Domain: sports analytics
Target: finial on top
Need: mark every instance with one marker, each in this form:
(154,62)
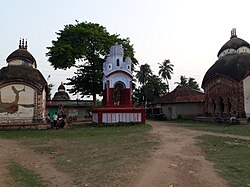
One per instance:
(233,33)
(23,45)
(20,43)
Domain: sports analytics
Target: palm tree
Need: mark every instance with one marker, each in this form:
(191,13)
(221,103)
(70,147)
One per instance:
(188,82)
(193,84)
(143,76)
(183,81)
(144,73)
(166,69)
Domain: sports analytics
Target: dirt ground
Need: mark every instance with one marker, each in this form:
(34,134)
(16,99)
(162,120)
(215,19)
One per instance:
(176,162)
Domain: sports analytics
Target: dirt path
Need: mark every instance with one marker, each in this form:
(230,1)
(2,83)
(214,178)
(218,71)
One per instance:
(13,151)
(178,161)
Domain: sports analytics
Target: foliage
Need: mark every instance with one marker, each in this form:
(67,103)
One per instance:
(166,69)
(88,44)
(23,176)
(188,82)
(153,88)
(231,157)
(156,88)
(143,74)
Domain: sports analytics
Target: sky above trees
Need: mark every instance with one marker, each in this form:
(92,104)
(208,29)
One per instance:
(188,33)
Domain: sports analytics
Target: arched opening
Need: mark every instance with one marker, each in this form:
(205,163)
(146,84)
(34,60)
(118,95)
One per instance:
(229,105)
(221,105)
(118,88)
(117,62)
(213,106)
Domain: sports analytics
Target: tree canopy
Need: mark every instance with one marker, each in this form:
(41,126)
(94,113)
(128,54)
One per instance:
(188,82)
(166,69)
(151,86)
(85,45)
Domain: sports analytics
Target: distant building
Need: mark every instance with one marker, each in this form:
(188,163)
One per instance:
(71,108)
(227,82)
(61,94)
(22,89)
(182,102)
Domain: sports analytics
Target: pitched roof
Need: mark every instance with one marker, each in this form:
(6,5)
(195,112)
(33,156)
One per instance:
(181,95)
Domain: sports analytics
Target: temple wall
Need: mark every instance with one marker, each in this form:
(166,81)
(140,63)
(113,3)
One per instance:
(17,102)
(223,96)
(246,86)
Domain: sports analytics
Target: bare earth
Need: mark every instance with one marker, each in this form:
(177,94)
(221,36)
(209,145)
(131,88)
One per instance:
(177,162)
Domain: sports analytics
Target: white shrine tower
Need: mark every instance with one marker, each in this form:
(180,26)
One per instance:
(117,91)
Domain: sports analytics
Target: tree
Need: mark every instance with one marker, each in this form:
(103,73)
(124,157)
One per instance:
(166,69)
(183,81)
(155,89)
(188,82)
(143,76)
(85,45)
(193,84)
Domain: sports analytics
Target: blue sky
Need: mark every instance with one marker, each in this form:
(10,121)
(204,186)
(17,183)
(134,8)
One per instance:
(189,33)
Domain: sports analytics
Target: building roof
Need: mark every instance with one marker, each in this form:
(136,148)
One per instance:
(181,95)
(234,66)
(22,53)
(233,43)
(61,96)
(23,74)
(61,87)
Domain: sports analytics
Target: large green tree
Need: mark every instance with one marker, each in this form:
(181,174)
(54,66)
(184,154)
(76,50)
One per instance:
(85,45)
(166,69)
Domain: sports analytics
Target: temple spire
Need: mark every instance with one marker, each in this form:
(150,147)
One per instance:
(233,33)
(22,44)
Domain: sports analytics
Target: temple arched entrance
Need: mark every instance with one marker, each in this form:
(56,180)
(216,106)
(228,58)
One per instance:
(118,93)
(221,106)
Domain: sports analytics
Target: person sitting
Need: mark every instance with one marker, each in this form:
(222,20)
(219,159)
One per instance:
(233,117)
(55,118)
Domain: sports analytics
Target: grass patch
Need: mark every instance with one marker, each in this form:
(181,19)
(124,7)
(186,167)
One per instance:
(231,157)
(24,177)
(243,130)
(97,156)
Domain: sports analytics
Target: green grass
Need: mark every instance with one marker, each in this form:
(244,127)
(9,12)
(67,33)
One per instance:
(24,177)
(102,156)
(243,130)
(231,156)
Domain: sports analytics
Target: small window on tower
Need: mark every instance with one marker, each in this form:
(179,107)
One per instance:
(117,62)
(128,67)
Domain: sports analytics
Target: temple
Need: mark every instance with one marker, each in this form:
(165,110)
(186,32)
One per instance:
(22,89)
(117,91)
